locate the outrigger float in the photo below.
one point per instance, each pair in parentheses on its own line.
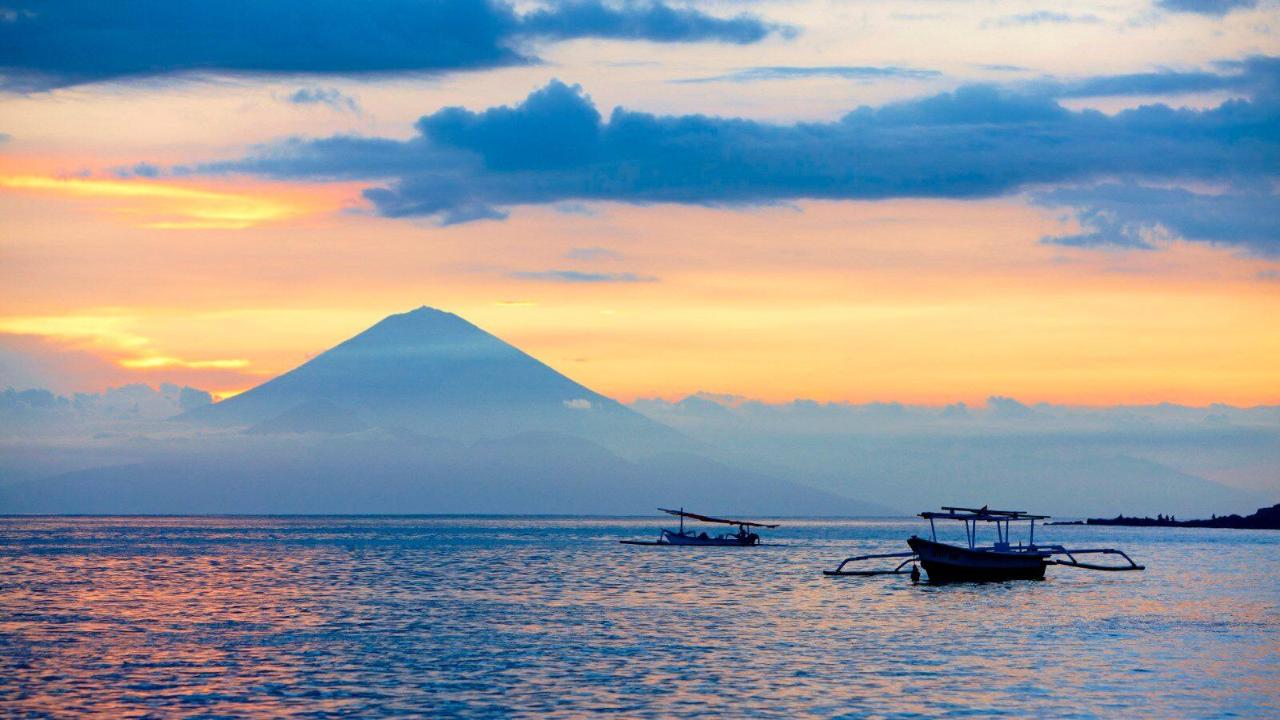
(1002,561)
(742,538)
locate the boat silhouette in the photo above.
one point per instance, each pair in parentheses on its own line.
(945,562)
(743,537)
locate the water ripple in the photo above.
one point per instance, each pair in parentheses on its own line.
(503,617)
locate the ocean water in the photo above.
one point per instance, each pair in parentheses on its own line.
(507,617)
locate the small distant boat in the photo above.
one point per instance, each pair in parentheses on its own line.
(944,562)
(744,537)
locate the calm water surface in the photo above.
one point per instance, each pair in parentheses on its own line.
(499,617)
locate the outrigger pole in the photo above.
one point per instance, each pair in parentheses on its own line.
(910,558)
(1072,562)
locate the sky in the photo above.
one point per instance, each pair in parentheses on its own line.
(924,202)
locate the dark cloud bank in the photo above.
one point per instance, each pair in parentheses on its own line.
(1253,75)
(1206,7)
(796,72)
(1137,216)
(977,141)
(54,44)
(330,97)
(577,276)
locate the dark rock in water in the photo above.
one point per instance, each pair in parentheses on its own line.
(1263,519)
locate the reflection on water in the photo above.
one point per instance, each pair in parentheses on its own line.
(497,617)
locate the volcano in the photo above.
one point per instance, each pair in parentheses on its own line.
(422,413)
(434,373)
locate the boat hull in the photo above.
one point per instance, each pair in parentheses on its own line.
(951,563)
(674,538)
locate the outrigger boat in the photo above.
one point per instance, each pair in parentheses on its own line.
(742,538)
(1002,561)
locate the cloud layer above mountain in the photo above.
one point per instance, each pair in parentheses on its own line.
(1252,75)
(977,141)
(48,45)
(1138,216)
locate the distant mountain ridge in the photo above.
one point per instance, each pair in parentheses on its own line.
(386,473)
(433,372)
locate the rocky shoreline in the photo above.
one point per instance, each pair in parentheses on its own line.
(1263,519)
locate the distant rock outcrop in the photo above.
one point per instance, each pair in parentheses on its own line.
(1267,518)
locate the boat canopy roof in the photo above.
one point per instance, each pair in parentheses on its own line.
(725,521)
(982,513)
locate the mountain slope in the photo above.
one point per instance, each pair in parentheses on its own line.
(433,372)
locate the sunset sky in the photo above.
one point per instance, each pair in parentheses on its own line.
(925,202)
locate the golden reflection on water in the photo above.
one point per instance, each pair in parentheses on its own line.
(127,617)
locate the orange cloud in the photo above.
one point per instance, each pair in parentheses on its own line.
(161,361)
(165,206)
(113,338)
(108,331)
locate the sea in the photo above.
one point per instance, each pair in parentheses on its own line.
(501,617)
